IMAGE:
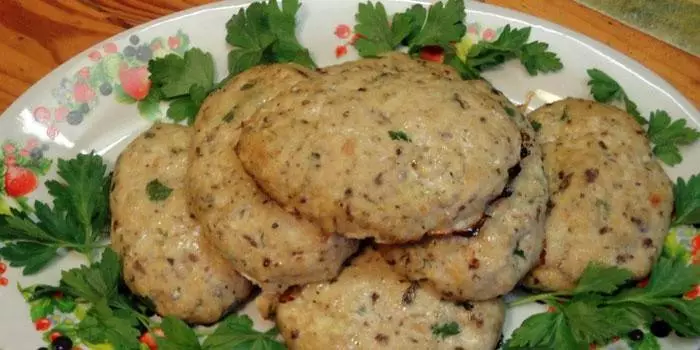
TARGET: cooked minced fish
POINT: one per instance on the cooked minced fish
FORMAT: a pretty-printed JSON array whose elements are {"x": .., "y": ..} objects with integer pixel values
[
  {"x": 391, "y": 155},
  {"x": 611, "y": 202},
  {"x": 164, "y": 256},
  {"x": 270, "y": 246},
  {"x": 489, "y": 259},
  {"x": 370, "y": 307}
]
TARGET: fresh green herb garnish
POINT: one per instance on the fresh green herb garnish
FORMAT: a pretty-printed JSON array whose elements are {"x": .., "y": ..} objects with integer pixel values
[
  {"x": 536, "y": 125},
  {"x": 185, "y": 81},
  {"x": 265, "y": 33},
  {"x": 519, "y": 252},
  {"x": 687, "y": 201},
  {"x": 667, "y": 136},
  {"x": 78, "y": 220},
  {"x": 599, "y": 309},
  {"x": 440, "y": 25},
  {"x": 235, "y": 332},
  {"x": 511, "y": 43},
  {"x": 104, "y": 325},
  {"x": 445, "y": 330},
  {"x": 399, "y": 135},
  {"x": 157, "y": 191},
  {"x": 605, "y": 89}
]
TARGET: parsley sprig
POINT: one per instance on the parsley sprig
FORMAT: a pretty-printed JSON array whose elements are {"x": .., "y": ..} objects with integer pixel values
[
  {"x": 235, "y": 332},
  {"x": 78, "y": 219},
  {"x": 665, "y": 135},
  {"x": 605, "y": 89},
  {"x": 185, "y": 81},
  {"x": 265, "y": 33},
  {"x": 687, "y": 201},
  {"x": 599, "y": 308},
  {"x": 443, "y": 25},
  {"x": 511, "y": 43},
  {"x": 261, "y": 33}
]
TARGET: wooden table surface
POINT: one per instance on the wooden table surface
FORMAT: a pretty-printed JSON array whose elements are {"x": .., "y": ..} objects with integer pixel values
[{"x": 38, "y": 35}]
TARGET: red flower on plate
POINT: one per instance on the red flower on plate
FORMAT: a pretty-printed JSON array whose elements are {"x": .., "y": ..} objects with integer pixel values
[
  {"x": 489, "y": 34},
  {"x": 83, "y": 93},
  {"x": 340, "y": 51},
  {"x": 60, "y": 113},
  {"x": 95, "y": 55},
  {"x": 42, "y": 115},
  {"x": 84, "y": 72},
  {"x": 135, "y": 82},
  {"x": 173, "y": 42},
  {"x": 19, "y": 181},
  {"x": 110, "y": 48},
  {"x": 42, "y": 324},
  {"x": 8, "y": 148},
  {"x": 342, "y": 31}
]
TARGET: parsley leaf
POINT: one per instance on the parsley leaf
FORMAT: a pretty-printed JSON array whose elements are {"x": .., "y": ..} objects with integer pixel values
[
  {"x": 590, "y": 323},
  {"x": 687, "y": 201},
  {"x": 265, "y": 33},
  {"x": 103, "y": 325},
  {"x": 178, "y": 336},
  {"x": 599, "y": 309},
  {"x": 95, "y": 283},
  {"x": 548, "y": 330},
  {"x": 535, "y": 57},
  {"x": 399, "y": 135},
  {"x": 377, "y": 36},
  {"x": 157, "y": 192},
  {"x": 441, "y": 25},
  {"x": 605, "y": 89},
  {"x": 236, "y": 332},
  {"x": 186, "y": 80},
  {"x": 78, "y": 219},
  {"x": 667, "y": 136},
  {"x": 445, "y": 330},
  {"x": 283, "y": 26},
  {"x": 597, "y": 278},
  {"x": 175, "y": 76}
]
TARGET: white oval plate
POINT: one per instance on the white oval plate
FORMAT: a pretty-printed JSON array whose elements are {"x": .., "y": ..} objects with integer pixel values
[{"x": 79, "y": 107}]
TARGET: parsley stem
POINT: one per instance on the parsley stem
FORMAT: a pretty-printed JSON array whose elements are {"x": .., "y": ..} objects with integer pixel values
[{"x": 537, "y": 297}]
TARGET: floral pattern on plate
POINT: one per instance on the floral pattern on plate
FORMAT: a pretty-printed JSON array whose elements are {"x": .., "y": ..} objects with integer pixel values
[
  {"x": 121, "y": 73},
  {"x": 21, "y": 165}
]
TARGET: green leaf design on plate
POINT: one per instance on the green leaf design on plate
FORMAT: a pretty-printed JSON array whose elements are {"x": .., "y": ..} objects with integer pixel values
[
  {"x": 121, "y": 96},
  {"x": 41, "y": 309},
  {"x": 111, "y": 65}
]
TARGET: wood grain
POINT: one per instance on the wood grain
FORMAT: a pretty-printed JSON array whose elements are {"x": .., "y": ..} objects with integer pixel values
[{"x": 41, "y": 34}]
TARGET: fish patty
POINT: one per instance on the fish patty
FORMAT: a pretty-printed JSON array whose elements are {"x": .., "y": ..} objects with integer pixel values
[
  {"x": 489, "y": 259},
  {"x": 273, "y": 248},
  {"x": 611, "y": 202},
  {"x": 391, "y": 154},
  {"x": 370, "y": 307},
  {"x": 165, "y": 257}
]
